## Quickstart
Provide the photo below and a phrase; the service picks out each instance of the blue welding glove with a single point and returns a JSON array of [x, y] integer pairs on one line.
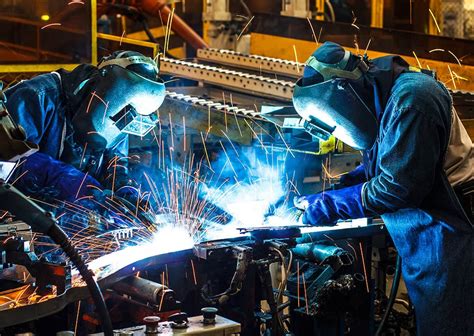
[[356, 176], [44, 177], [328, 207]]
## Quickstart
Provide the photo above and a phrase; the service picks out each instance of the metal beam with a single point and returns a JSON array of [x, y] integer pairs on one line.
[[236, 80]]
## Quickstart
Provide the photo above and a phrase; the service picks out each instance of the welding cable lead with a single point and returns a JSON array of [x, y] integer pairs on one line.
[[43, 222]]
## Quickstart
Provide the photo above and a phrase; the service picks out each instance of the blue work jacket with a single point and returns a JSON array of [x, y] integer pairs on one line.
[[40, 106], [409, 188]]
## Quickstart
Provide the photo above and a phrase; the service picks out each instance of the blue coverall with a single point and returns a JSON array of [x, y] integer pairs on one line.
[[42, 107], [408, 186]]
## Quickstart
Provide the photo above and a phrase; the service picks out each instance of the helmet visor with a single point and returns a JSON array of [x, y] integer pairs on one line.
[[334, 107]]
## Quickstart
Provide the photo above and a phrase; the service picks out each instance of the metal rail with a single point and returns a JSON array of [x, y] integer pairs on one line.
[[253, 62], [226, 108], [239, 81]]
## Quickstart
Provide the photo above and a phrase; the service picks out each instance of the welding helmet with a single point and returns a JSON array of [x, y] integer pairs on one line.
[[334, 97], [124, 96]]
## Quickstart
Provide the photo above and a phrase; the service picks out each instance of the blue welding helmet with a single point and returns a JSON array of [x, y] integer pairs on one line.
[[124, 96], [334, 97]]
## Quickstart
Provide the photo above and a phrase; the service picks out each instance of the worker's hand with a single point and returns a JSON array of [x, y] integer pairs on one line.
[[127, 207], [326, 208]]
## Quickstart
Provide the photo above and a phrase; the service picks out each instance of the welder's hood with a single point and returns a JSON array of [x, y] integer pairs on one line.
[[334, 97], [123, 98]]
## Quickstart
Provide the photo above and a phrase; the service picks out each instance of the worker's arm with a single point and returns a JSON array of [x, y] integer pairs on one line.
[[44, 177], [408, 157], [32, 105], [356, 176]]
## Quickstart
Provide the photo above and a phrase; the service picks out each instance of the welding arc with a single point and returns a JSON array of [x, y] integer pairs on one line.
[[61, 238]]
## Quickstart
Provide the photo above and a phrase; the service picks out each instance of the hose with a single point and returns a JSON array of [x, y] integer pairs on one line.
[[393, 294], [61, 238]]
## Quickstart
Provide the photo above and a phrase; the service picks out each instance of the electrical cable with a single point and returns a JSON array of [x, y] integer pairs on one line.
[[393, 294], [61, 238], [41, 221]]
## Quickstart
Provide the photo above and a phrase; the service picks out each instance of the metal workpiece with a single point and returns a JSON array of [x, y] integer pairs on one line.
[[143, 290], [322, 253], [209, 104], [236, 80], [258, 63], [200, 114]]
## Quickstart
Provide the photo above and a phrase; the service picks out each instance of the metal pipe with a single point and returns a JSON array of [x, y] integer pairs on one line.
[[158, 8], [141, 289], [319, 252]]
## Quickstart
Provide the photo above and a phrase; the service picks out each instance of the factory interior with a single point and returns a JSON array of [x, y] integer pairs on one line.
[[237, 167]]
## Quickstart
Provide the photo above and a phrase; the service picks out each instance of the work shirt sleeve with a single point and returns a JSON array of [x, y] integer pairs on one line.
[[31, 109], [408, 157]]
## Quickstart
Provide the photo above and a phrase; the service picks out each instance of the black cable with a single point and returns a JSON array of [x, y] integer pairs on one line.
[[61, 238], [393, 294]]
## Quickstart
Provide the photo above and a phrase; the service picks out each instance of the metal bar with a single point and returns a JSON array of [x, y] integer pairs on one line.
[[239, 81], [253, 62]]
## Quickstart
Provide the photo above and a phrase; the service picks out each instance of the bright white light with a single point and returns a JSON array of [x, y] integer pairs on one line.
[[167, 239], [145, 104]]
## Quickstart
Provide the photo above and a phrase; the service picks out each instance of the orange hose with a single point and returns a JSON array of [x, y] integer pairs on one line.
[[159, 8]]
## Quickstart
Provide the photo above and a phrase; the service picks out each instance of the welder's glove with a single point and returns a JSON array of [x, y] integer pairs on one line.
[[43, 177], [354, 177], [326, 208], [125, 211]]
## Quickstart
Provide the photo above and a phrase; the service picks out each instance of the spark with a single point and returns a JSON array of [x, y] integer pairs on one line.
[[452, 77], [205, 152], [457, 59], [305, 295], [77, 316], [80, 185], [417, 60], [312, 30], [235, 114], [353, 23], [75, 2], [436, 22], [245, 28], [121, 38], [184, 134], [256, 136], [194, 272], [82, 157], [282, 139], [168, 30], [50, 25], [162, 291], [363, 265], [459, 77], [296, 59], [19, 177], [367, 47]]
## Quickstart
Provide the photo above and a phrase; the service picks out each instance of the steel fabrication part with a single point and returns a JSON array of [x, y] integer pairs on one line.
[[252, 62], [239, 81], [142, 289]]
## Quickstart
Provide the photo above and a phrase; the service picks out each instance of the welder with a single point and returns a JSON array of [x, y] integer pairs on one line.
[[417, 173], [81, 121]]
